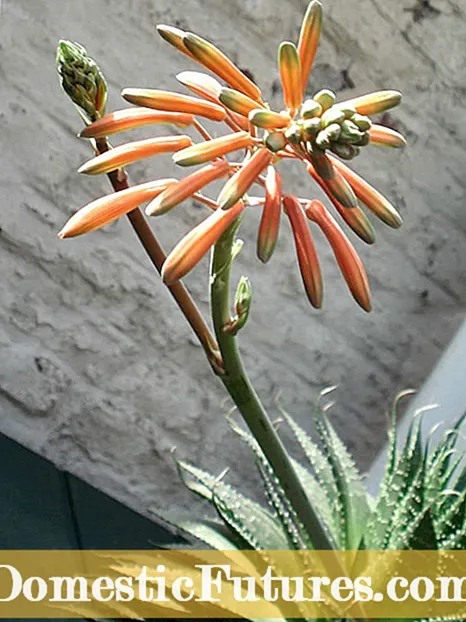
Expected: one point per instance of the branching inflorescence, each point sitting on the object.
(318, 132)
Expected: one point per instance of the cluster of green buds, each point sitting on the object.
(324, 125)
(82, 79)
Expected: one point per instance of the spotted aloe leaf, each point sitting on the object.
(276, 496)
(329, 497)
(255, 526)
(400, 474)
(355, 501)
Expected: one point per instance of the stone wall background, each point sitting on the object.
(98, 371)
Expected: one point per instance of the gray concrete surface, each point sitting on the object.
(98, 370)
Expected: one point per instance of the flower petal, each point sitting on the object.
(309, 40)
(306, 252)
(132, 152)
(373, 103)
(355, 218)
(290, 73)
(174, 102)
(386, 137)
(192, 248)
(270, 221)
(185, 188)
(371, 197)
(215, 60)
(347, 258)
(210, 149)
(243, 179)
(237, 102)
(106, 209)
(122, 120)
(269, 120)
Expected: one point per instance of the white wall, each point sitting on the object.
(98, 370)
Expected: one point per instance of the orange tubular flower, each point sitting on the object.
(243, 179)
(268, 120)
(305, 250)
(198, 154)
(175, 37)
(335, 183)
(192, 248)
(173, 102)
(132, 152)
(374, 103)
(106, 209)
(187, 187)
(123, 120)
(209, 88)
(348, 260)
(201, 84)
(290, 72)
(237, 102)
(309, 40)
(371, 197)
(355, 218)
(215, 60)
(317, 131)
(270, 221)
(386, 137)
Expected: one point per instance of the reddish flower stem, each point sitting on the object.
(119, 181)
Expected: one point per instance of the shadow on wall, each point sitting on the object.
(43, 507)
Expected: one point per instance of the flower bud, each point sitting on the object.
(371, 197)
(107, 209)
(217, 62)
(311, 127)
(201, 83)
(132, 118)
(270, 221)
(174, 102)
(347, 258)
(311, 109)
(386, 137)
(362, 122)
(210, 149)
(374, 103)
(294, 134)
(309, 39)
(192, 248)
(332, 115)
(243, 179)
(132, 152)
(275, 141)
(290, 73)
(82, 79)
(350, 133)
(237, 102)
(325, 98)
(305, 251)
(174, 36)
(243, 299)
(355, 218)
(269, 120)
(186, 187)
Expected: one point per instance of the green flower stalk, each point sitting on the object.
(318, 133)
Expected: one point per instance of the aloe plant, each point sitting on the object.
(420, 505)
